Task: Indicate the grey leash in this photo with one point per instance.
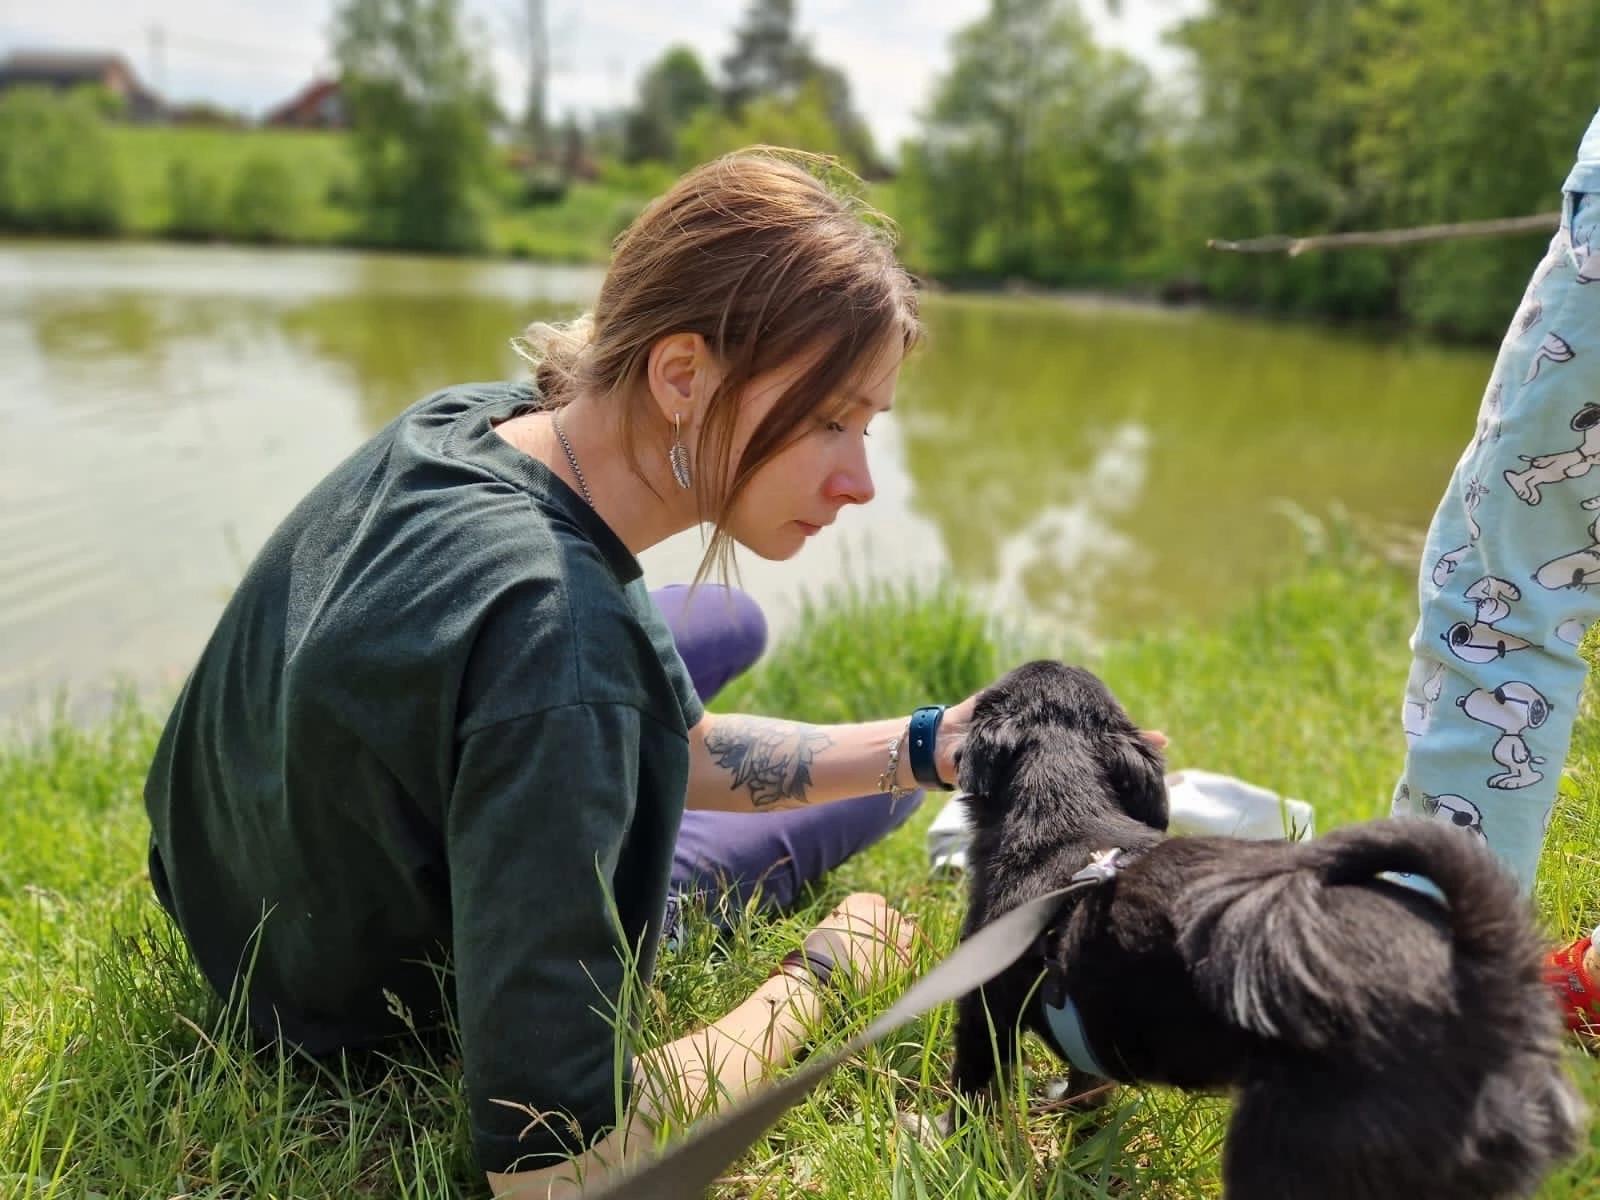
(687, 1170)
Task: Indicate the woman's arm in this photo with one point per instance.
(741, 763)
(730, 1056)
(724, 1061)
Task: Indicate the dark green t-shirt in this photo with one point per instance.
(439, 721)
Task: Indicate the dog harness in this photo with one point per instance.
(1060, 1013)
(1065, 1022)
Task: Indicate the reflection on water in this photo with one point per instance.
(1062, 562)
(1087, 468)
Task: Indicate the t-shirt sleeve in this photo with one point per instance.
(537, 983)
(666, 648)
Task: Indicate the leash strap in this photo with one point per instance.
(687, 1170)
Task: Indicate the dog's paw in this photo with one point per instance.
(930, 1131)
(1076, 1091)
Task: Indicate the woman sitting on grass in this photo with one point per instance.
(442, 719)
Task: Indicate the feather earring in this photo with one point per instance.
(678, 455)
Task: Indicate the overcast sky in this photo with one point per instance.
(251, 54)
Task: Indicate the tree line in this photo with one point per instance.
(1041, 155)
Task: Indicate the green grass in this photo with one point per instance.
(578, 229)
(120, 1076)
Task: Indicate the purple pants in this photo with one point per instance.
(723, 859)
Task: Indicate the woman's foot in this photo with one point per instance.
(863, 940)
(1574, 972)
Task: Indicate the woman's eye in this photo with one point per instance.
(835, 427)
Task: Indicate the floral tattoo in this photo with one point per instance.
(771, 758)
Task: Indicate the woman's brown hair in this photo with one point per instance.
(767, 256)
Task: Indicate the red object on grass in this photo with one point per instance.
(1577, 987)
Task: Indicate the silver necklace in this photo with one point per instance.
(572, 459)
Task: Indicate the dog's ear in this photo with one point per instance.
(987, 756)
(1135, 772)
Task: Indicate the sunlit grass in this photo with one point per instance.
(121, 1076)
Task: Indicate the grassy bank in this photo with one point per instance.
(300, 187)
(120, 1076)
(185, 183)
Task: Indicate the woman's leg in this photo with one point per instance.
(720, 632)
(723, 859)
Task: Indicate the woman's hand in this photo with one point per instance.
(953, 731)
(865, 939)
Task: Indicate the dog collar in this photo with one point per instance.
(1060, 1013)
(1416, 883)
(1066, 1031)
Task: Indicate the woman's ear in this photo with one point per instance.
(682, 374)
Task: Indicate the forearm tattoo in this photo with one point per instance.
(771, 758)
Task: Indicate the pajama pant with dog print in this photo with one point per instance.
(1510, 576)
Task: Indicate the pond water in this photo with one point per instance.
(1086, 468)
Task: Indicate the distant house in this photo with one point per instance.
(64, 70)
(318, 105)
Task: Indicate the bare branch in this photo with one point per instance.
(1292, 246)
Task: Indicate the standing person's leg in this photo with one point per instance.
(725, 858)
(1510, 559)
(1507, 575)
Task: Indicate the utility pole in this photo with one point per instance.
(158, 58)
(534, 119)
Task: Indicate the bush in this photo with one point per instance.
(194, 201)
(57, 172)
(266, 203)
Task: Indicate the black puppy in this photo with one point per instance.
(1378, 1042)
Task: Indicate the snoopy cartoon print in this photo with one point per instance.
(1457, 810)
(1448, 562)
(1512, 708)
(1479, 641)
(1417, 713)
(1489, 421)
(1578, 569)
(1588, 262)
(1545, 469)
(1554, 349)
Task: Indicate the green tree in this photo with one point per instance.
(771, 62)
(1500, 147)
(1034, 151)
(800, 124)
(1315, 116)
(421, 104)
(768, 57)
(266, 203)
(671, 91)
(58, 169)
(1270, 149)
(194, 200)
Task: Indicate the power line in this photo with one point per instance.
(161, 37)
(215, 47)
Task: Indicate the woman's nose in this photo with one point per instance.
(852, 484)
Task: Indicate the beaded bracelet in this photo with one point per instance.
(887, 782)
